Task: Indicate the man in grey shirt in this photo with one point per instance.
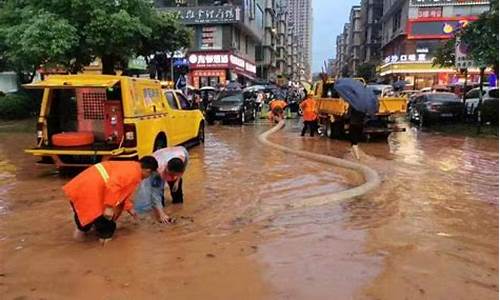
(149, 196)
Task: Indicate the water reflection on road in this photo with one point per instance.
(430, 231)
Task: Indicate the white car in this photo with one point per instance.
(381, 90)
(472, 99)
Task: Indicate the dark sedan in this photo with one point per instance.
(429, 108)
(231, 107)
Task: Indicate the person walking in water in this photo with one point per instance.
(356, 126)
(99, 194)
(309, 114)
(172, 163)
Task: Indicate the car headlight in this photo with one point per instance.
(236, 108)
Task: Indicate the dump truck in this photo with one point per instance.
(334, 118)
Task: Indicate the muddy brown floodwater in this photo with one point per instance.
(429, 232)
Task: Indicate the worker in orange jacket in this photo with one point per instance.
(277, 109)
(309, 114)
(99, 194)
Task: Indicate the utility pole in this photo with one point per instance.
(479, 117)
(466, 72)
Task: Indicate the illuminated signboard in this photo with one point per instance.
(435, 28)
(221, 60)
(446, 2)
(208, 15)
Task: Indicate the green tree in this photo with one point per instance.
(44, 40)
(366, 71)
(481, 37)
(73, 33)
(445, 55)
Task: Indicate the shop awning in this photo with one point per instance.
(75, 81)
(416, 68)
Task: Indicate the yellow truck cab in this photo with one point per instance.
(85, 119)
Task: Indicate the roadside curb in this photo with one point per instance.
(371, 177)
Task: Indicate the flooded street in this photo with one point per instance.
(429, 232)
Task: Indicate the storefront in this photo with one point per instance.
(416, 67)
(419, 75)
(213, 68)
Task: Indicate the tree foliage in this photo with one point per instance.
(366, 71)
(445, 55)
(73, 33)
(481, 37)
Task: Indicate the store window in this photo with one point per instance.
(396, 21)
(259, 17)
(209, 81)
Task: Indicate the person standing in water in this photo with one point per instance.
(309, 114)
(356, 126)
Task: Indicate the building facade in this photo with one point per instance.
(266, 50)
(300, 14)
(371, 37)
(342, 56)
(354, 40)
(225, 38)
(412, 30)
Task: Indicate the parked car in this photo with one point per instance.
(85, 119)
(429, 108)
(489, 105)
(231, 106)
(207, 94)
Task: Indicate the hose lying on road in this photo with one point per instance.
(372, 179)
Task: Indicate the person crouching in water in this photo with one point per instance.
(309, 114)
(99, 194)
(172, 163)
(277, 110)
(356, 126)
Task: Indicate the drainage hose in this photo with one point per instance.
(371, 177)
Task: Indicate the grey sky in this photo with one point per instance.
(329, 19)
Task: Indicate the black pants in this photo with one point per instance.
(177, 196)
(311, 125)
(105, 228)
(355, 133)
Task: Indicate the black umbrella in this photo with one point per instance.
(359, 97)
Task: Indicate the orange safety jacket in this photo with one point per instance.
(107, 184)
(308, 107)
(277, 104)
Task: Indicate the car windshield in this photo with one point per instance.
(443, 97)
(232, 98)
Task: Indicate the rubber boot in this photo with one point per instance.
(355, 151)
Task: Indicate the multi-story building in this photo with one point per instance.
(295, 62)
(300, 14)
(266, 51)
(411, 32)
(282, 49)
(354, 39)
(343, 40)
(371, 37)
(331, 65)
(226, 35)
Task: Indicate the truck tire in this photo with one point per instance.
(160, 143)
(201, 133)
